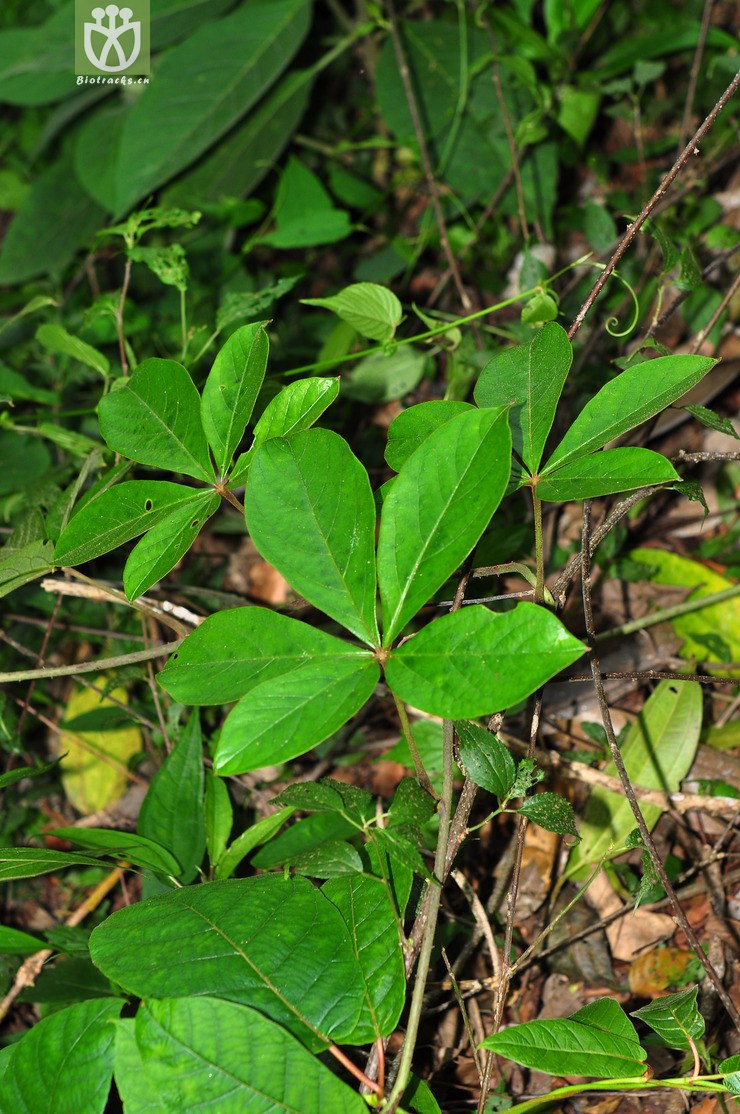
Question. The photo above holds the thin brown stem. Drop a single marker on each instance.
(119, 317)
(694, 74)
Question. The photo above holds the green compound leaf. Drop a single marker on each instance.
(123, 845)
(311, 513)
(223, 1056)
(162, 547)
(172, 811)
(475, 662)
(231, 390)
(293, 712)
(373, 310)
(528, 378)
(28, 862)
(371, 923)
(413, 426)
(273, 943)
(639, 393)
(154, 419)
(64, 1063)
(118, 514)
(605, 473)
(657, 754)
(598, 1040)
(675, 1018)
(552, 812)
(486, 759)
(438, 506)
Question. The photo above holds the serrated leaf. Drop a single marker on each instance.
(551, 812)
(123, 845)
(414, 425)
(397, 847)
(311, 513)
(166, 543)
(154, 419)
(486, 759)
(637, 394)
(29, 862)
(593, 1042)
(374, 311)
(605, 473)
(438, 507)
(167, 261)
(65, 1060)
(371, 923)
(474, 662)
(244, 940)
(333, 859)
(329, 795)
(528, 378)
(172, 811)
(116, 515)
(411, 804)
(657, 753)
(675, 1018)
(231, 390)
(296, 408)
(94, 763)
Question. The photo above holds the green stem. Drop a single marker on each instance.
(666, 613)
(433, 898)
(183, 326)
(629, 1084)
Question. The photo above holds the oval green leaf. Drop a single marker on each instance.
(605, 473)
(163, 546)
(486, 759)
(123, 845)
(373, 310)
(28, 862)
(231, 390)
(413, 426)
(296, 408)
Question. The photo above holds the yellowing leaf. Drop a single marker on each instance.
(94, 762)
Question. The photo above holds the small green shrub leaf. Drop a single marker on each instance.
(231, 390)
(604, 473)
(28, 862)
(226, 1055)
(474, 662)
(245, 843)
(305, 214)
(486, 759)
(637, 394)
(529, 379)
(373, 310)
(438, 507)
(371, 923)
(118, 514)
(598, 1041)
(123, 845)
(675, 1018)
(172, 811)
(730, 1068)
(293, 712)
(65, 1061)
(552, 812)
(57, 339)
(411, 804)
(334, 859)
(15, 942)
(329, 795)
(413, 426)
(219, 815)
(166, 543)
(154, 419)
(303, 836)
(297, 407)
(311, 513)
(244, 940)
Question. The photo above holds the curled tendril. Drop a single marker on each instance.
(612, 321)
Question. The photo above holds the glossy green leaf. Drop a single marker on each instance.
(219, 816)
(413, 426)
(260, 832)
(598, 1040)
(438, 507)
(223, 1056)
(486, 759)
(374, 311)
(330, 795)
(657, 754)
(154, 419)
(166, 543)
(118, 514)
(371, 923)
(310, 512)
(305, 214)
(528, 378)
(28, 862)
(297, 407)
(637, 394)
(122, 845)
(10, 777)
(65, 1063)
(231, 61)
(675, 1018)
(552, 812)
(270, 942)
(15, 942)
(231, 390)
(474, 662)
(289, 714)
(604, 473)
(129, 1072)
(302, 837)
(333, 859)
(233, 651)
(172, 811)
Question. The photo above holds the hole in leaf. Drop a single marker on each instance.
(148, 504)
(194, 524)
